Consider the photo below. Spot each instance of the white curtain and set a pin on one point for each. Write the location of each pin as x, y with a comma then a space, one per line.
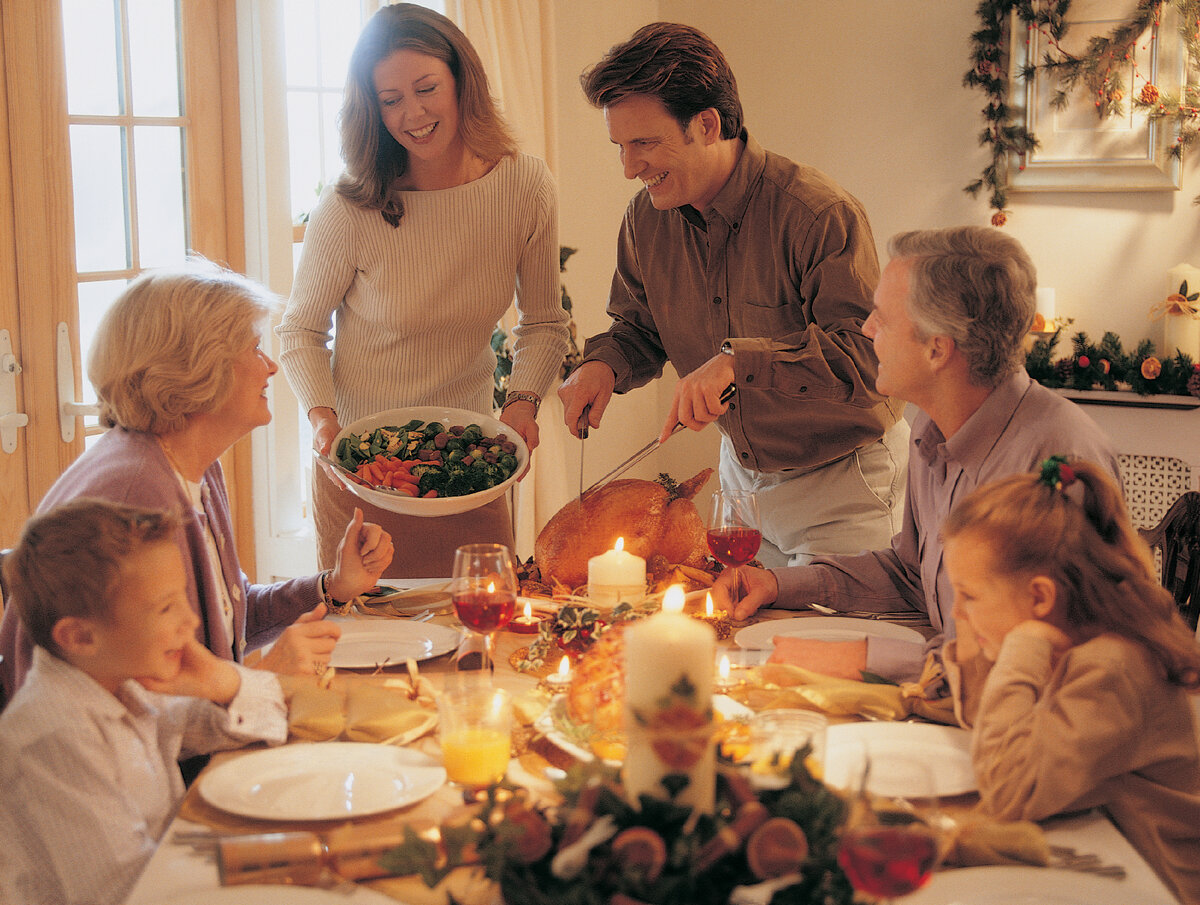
515, 41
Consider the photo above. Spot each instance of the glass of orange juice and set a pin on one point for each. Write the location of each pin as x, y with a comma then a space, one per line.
476, 734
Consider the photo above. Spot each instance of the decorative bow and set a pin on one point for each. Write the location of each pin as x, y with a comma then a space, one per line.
1178, 303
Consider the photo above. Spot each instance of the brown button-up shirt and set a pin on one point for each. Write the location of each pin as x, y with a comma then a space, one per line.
782, 265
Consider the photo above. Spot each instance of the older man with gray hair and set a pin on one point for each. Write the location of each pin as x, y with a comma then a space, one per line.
951, 312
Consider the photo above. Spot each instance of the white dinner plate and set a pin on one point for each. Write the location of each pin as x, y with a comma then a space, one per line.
1025, 886
823, 628
255, 894
946, 748
371, 642
321, 781
547, 725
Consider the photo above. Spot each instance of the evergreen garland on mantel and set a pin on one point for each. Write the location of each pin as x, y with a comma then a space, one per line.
1099, 70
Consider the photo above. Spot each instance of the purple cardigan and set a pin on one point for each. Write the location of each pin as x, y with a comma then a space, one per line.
130, 467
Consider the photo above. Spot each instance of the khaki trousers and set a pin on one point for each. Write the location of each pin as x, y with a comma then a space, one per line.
848, 506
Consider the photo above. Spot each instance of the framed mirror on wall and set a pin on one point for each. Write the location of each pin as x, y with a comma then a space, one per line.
1079, 149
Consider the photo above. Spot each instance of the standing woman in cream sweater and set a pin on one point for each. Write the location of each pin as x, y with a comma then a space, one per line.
413, 256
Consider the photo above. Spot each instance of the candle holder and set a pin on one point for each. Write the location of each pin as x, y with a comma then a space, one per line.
606, 597
526, 623
558, 682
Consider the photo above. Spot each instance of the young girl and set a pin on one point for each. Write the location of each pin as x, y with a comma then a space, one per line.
1087, 704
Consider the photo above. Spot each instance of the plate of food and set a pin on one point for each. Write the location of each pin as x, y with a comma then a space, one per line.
761, 635
428, 460
948, 748
582, 742
374, 642
321, 781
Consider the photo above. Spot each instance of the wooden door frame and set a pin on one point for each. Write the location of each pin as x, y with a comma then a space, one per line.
37, 237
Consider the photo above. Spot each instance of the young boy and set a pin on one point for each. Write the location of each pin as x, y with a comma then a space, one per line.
120, 689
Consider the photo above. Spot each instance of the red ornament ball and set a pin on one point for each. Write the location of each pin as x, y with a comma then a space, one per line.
1084, 361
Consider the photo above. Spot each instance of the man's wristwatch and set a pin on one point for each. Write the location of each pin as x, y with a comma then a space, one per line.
726, 348
519, 396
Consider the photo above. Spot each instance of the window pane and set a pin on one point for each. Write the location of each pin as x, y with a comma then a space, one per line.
300, 37
94, 300
162, 238
338, 33
92, 52
303, 141
154, 57
101, 215
331, 162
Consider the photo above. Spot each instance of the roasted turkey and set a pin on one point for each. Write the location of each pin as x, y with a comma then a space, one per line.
654, 522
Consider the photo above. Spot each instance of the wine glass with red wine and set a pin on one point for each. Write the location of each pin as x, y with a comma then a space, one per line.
483, 588
890, 844
734, 532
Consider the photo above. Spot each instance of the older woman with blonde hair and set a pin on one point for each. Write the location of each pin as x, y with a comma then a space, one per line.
180, 376
416, 252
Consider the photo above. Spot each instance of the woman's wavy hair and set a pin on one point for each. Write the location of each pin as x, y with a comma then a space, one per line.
976, 285
1082, 539
69, 561
375, 160
677, 64
165, 349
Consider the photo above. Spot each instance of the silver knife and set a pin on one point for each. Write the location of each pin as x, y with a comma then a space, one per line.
582, 429
633, 460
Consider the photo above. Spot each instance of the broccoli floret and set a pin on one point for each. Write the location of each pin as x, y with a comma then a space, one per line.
459, 484
432, 479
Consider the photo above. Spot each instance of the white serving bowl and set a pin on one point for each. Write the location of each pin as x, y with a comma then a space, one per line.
434, 506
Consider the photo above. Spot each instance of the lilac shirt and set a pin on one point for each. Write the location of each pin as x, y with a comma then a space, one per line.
130, 467
1017, 426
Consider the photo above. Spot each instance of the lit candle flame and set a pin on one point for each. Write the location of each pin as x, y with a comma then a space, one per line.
673, 599
708, 607
528, 610
723, 667
564, 667
491, 588
620, 544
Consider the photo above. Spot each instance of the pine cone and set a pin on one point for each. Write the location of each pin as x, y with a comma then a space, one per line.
1064, 370
999, 218
1149, 94
1193, 384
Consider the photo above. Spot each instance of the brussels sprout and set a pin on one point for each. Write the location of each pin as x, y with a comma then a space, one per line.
508, 463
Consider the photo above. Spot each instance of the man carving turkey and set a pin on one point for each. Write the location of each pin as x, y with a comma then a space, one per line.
739, 266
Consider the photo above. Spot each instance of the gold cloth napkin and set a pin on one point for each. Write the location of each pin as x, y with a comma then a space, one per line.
386, 709
775, 685
979, 841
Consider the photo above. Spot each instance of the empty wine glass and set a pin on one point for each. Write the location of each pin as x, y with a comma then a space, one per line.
483, 588
734, 531
890, 844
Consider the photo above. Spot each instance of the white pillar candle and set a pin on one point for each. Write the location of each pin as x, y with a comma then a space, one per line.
1181, 331
615, 576
1045, 303
668, 705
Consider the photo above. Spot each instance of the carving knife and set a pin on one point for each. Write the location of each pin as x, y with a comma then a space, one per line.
633, 460
582, 428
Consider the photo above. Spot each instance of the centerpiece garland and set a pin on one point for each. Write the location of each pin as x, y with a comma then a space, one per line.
1099, 69
596, 848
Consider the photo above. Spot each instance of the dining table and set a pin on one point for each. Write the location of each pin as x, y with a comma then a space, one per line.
184, 870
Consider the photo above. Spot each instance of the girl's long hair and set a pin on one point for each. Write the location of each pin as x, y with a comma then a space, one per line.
375, 160
1080, 536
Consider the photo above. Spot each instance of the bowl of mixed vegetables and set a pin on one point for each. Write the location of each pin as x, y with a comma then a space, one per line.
428, 460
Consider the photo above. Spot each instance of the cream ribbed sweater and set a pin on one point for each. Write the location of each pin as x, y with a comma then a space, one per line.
415, 305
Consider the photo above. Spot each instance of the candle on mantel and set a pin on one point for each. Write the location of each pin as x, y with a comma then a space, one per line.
615, 576
525, 624
1045, 307
557, 682
1181, 329
668, 704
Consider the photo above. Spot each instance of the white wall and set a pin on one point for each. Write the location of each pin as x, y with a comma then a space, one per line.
870, 91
